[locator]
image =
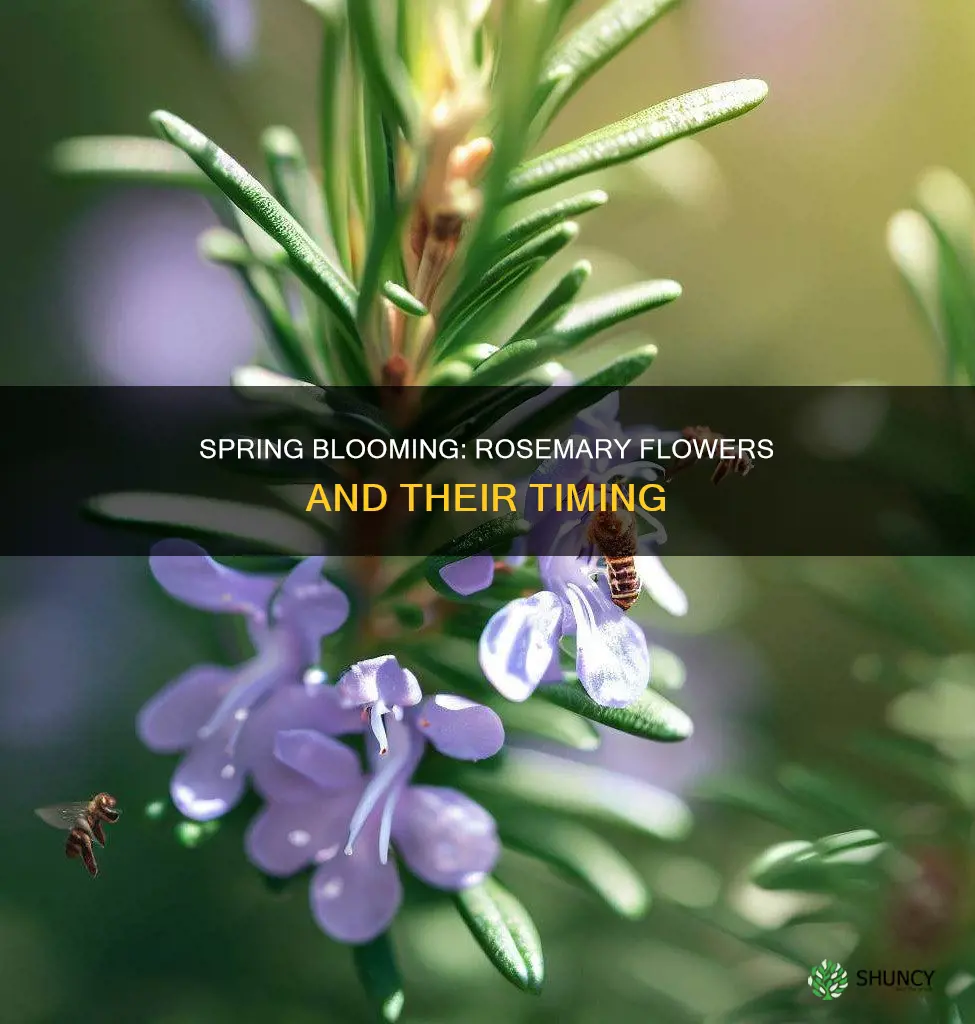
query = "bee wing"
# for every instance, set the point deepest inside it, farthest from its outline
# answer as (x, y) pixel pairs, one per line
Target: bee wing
(62, 816)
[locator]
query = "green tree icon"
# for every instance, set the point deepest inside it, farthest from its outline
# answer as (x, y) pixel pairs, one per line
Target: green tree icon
(828, 980)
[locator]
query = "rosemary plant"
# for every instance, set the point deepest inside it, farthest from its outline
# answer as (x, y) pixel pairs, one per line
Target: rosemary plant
(383, 264)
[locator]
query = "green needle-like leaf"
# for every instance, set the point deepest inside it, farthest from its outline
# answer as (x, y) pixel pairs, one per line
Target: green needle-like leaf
(818, 866)
(589, 318)
(752, 798)
(533, 254)
(949, 208)
(382, 68)
(579, 325)
(505, 932)
(332, 95)
(583, 857)
(632, 137)
(582, 790)
(257, 384)
(919, 760)
(652, 716)
(450, 374)
(554, 724)
(590, 47)
(622, 371)
(913, 246)
(494, 534)
(525, 33)
(548, 311)
(469, 323)
(572, 400)
(132, 159)
(534, 224)
(501, 402)
(275, 530)
(508, 364)
(257, 274)
(228, 249)
(375, 964)
(294, 184)
(249, 195)
(386, 212)
(404, 300)
(840, 802)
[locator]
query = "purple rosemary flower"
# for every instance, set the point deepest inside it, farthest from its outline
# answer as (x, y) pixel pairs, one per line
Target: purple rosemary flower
(469, 575)
(566, 533)
(519, 648)
(350, 821)
(207, 711)
(379, 687)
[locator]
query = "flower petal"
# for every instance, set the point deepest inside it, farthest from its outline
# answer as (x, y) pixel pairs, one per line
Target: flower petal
(379, 679)
(208, 782)
(599, 420)
(460, 728)
(172, 719)
(284, 838)
(518, 644)
(310, 604)
(469, 575)
(189, 574)
(354, 897)
(660, 585)
(314, 707)
(445, 838)
(277, 662)
(326, 762)
(612, 659)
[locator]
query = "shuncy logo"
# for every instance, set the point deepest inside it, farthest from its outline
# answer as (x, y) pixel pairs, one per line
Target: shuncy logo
(828, 980)
(916, 981)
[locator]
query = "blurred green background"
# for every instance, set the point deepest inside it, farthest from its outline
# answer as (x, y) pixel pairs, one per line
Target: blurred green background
(775, 227)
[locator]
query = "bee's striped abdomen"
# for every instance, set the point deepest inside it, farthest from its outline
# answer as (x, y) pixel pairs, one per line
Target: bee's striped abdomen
(624, 581)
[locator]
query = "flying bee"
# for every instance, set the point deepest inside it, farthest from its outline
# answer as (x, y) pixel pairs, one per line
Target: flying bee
(614, 536)
(740, 466)
(83, 821)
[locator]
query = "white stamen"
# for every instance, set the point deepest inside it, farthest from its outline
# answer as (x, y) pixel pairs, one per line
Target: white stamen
(386, 826)
(376, 724)
(381, 782)
(392, 770)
